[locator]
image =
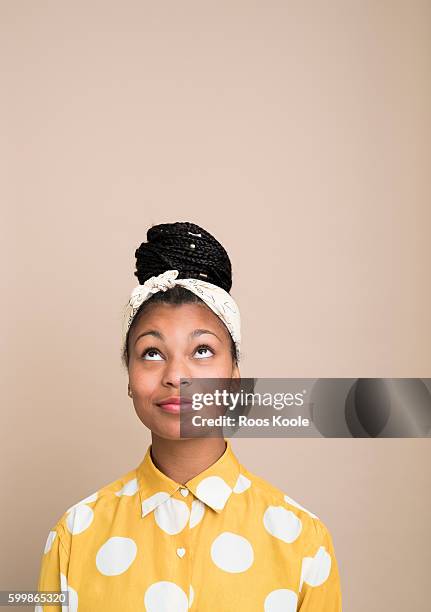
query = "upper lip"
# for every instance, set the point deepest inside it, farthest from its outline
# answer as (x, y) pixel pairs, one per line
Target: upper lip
(175, 399)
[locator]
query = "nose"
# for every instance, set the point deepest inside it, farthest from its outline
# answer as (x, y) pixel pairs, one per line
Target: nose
(177, 374)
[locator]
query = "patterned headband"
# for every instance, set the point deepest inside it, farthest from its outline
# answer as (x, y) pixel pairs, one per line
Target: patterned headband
(219, 300)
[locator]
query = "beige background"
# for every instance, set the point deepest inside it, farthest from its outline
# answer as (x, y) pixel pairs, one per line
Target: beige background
(298, 133)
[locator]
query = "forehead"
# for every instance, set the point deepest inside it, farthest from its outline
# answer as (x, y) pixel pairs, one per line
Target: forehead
(180, 319)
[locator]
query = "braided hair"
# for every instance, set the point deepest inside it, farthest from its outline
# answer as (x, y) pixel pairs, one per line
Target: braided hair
(191, 250)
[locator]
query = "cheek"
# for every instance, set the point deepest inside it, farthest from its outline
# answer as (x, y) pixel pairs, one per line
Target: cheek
(144, 385)
(145, 389)
(221, 367)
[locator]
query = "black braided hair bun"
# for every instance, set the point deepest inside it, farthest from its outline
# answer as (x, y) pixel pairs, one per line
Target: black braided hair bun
(185, 247)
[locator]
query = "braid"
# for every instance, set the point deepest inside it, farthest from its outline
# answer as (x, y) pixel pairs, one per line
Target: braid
(185, 247)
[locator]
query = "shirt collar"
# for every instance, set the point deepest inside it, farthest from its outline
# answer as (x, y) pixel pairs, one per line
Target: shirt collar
(213, 486)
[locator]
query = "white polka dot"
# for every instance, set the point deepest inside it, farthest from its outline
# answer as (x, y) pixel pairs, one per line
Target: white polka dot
(151, 502)
(87, 500)
(63, 582)
(79, 519)
(73, 600)
(172, 516)
(181, 552)
(197, 512)
(73, 595)
(295, 503)
(49, 541)
(214, 491)
(282, 524)
(116, 555)
(242, 484)
(38, 609)
(315, 570)
(63, 587)
(165, 596)
(191, 596)
(281, 600)
(130, 488)
(231, 552)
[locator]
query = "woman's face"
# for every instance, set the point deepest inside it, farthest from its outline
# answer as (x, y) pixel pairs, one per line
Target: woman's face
(170, 342)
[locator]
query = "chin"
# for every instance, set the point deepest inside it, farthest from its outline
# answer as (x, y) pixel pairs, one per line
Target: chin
(167, 431)
(166, 426)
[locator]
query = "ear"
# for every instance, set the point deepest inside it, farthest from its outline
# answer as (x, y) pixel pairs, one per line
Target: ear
(235, 371)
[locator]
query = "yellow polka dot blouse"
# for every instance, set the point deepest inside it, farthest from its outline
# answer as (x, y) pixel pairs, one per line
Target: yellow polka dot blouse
(226, 541)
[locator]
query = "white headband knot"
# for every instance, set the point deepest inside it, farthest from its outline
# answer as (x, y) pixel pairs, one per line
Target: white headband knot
(219, 300)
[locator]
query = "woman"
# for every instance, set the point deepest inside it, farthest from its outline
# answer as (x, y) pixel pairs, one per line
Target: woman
(190, 527)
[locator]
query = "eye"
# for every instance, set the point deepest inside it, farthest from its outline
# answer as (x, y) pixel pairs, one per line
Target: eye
(203, 347)
(152, 354)
(149, 350)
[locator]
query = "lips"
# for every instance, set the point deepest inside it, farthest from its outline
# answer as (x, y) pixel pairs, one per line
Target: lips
(176, 404)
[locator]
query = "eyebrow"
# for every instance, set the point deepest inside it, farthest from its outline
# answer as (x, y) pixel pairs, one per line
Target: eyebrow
(193, 334)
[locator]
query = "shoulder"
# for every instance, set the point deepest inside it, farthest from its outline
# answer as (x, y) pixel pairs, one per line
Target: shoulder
(275, 495)
(283, 516)
(103, 501)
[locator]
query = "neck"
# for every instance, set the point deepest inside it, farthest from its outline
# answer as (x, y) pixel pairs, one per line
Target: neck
(182, 460)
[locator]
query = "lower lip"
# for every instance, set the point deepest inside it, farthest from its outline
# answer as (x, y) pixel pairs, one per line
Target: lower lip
(175, 408)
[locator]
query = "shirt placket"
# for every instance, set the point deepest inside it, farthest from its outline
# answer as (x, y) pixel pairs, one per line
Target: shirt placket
(183, 543)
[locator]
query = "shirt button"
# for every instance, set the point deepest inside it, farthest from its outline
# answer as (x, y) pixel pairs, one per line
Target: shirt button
(181, 552)
(184, 492)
